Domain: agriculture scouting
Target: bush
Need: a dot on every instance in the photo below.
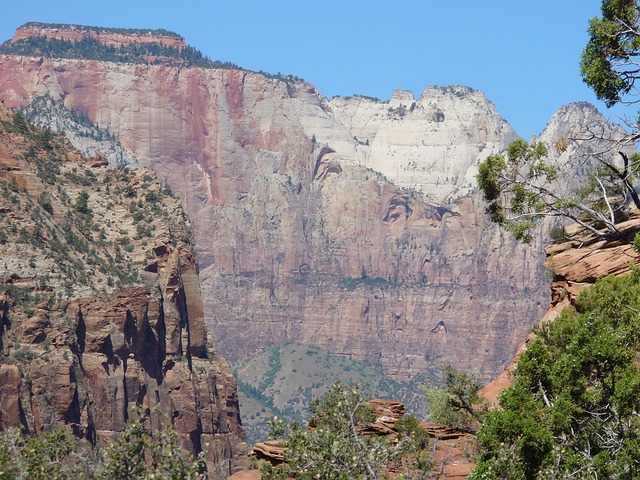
(82, 203)
(456, 402)
(572, 410)
(636, 243)
(45, 202)
(38, 458)
(136, 454)
(557, 233)
(335, 449)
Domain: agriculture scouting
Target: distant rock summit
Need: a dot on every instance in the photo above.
(431, 144)
(350, 224)
(113, 37)
(121, 45)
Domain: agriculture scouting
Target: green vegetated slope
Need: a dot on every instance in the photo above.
(70, 222)
(283, 381)
(572, 411)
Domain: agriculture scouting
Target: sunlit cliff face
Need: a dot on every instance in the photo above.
(349, 224)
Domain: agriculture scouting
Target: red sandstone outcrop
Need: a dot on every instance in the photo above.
(80, 353)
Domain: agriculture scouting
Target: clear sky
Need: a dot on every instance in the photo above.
(524, 55)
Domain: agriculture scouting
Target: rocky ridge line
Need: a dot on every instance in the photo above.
(114, 37)
(298, 238)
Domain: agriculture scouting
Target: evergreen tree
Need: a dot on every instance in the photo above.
(574, 408)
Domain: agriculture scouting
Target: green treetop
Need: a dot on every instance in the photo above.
(527, 185)
(574, 408)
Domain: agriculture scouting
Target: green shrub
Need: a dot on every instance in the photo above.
(44, 200)
(557, 233)
(82, 203)
(335, 449)
(636, 243)
(572, 410)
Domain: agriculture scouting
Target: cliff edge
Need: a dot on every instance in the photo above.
(100, 304)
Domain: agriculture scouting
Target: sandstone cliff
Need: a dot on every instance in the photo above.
(432, 144)
(349, 224)
(91, 140)
(113, 37)
(297, 241)
(100, 305)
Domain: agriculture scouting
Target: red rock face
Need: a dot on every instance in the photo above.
(132, 349)
(73, 34)
(294, 243)
(75, 355)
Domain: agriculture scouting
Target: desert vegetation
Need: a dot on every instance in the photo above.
(135, 454)
(527, 185)
(336, 448)
(572, 410)
(94, 49)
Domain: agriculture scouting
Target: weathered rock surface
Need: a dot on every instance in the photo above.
(432, 144)
(92, 141)
(310, 214)
(296, 241)
(80, 349)
(113, 37)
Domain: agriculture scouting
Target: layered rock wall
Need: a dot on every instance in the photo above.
(431, 144)
(299, 238)
(95, 322)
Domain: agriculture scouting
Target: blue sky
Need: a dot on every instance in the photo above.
(523, 55)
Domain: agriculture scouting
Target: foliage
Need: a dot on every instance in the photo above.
(93, 49)
(56, 455)
(636, 243)
(20, 124)
(524, 188)
(456, 401)
(557, 233)
(45, 457)
(609, 64)
(409, 426)
(521, 190)
(288, 79)
(77, 248)
(574, 408)
(82, 203)
(120, 31)
(335, 449)
(138, 455)
(44, 200)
